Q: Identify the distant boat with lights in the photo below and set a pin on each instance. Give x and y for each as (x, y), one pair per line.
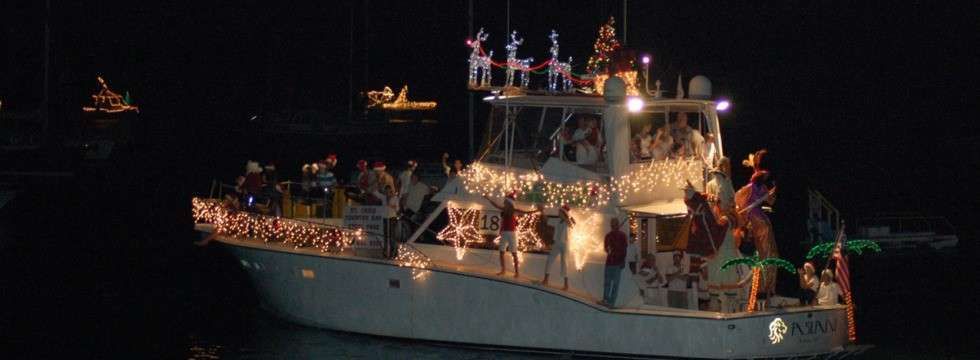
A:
(443, 287)
(909, 232)
(110, 121)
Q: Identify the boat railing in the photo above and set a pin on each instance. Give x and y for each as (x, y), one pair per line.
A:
(823, 214)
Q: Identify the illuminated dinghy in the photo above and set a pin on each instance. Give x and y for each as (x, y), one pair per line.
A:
(444, 287)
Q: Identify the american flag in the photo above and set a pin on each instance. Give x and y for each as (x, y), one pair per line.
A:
(843, 274)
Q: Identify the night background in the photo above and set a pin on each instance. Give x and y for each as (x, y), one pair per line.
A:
(865, 101)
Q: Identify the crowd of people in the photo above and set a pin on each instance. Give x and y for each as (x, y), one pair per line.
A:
(675, 139)
(259, 190)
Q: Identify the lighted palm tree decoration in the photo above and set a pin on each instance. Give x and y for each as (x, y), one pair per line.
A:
(857, 247)
(757, 264)
(828, 250)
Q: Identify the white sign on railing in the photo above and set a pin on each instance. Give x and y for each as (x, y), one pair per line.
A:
(371, 220)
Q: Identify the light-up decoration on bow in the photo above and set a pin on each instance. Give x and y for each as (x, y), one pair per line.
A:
(384, 100)
(777, 328)
(461, 230)
(409, 256)
(244, 226)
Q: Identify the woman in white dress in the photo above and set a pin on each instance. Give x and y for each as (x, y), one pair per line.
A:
(559, 248)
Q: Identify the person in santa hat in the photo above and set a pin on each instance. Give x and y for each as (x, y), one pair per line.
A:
(508, 229)
(753, 222)
(559, 247)
(380, 180)
(253, 179)
(405, 178)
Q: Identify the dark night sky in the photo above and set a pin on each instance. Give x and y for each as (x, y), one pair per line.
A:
(868, 100)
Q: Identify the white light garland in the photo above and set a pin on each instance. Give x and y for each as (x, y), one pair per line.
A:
(534, 187)
(244, 225)
(408, 256)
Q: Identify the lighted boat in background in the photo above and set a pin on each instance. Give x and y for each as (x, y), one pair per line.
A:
(909, 232)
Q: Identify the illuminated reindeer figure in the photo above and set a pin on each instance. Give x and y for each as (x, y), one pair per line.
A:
(478, 62)
(524, 65)
(558, 72)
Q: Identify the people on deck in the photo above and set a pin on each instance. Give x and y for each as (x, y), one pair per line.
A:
(454, 170)
(360, 175)
(308, 179)
(391, 222)
(662, 143)
(677, 282)
(808, 284)
(829, 292)
(689, 139)
(615, 246)
(412, 201)
(405, 178)
(646, 275)
(253, 179)
(508, 230)
(586, 152)
(643, 142)
(379, 181)
(559, 247)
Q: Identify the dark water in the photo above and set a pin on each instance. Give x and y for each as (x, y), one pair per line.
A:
(99, 265)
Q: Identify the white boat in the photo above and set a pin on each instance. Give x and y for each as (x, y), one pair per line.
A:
(444, 287)
(909, 232)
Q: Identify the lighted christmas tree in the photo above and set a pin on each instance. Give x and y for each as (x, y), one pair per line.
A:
(604, 46)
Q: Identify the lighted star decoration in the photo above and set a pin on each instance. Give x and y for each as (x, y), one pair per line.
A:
(461, 230)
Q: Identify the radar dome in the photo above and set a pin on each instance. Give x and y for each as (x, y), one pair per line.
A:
(614, 89)
(699, 88)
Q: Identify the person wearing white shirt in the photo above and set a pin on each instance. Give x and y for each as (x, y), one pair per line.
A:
(559, 248)
(585, 152)
(829, 292)
(415, 195)
(689, 139)
(808, 284)
(405, 179)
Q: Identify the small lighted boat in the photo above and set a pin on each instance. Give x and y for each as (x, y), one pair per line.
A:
(443, 285)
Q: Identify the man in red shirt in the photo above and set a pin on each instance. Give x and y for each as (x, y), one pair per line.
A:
(615, 245)
(508, 229)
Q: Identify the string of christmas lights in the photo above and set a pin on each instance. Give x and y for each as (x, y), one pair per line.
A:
(461, 230)
(583, 239)
(245, 225)
(409, 256)
(486, 181)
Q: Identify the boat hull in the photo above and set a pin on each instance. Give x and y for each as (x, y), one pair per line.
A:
(380, 298)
